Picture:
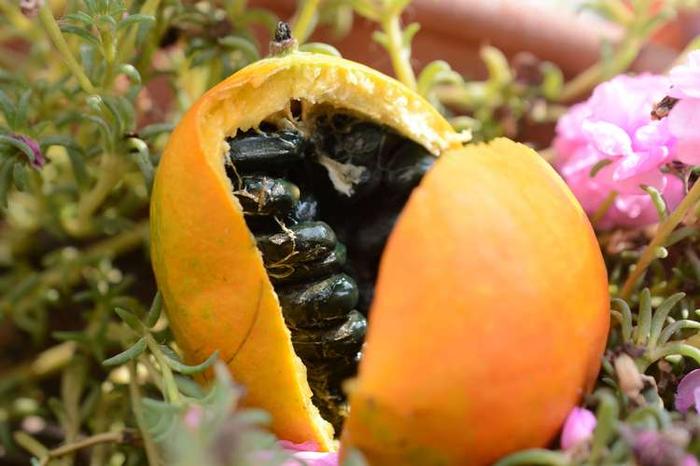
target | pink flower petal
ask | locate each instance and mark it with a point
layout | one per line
(685, 392)
(578, 428)
(608, 138)
(684, 119)
(614, 127)
(308, 453)
(685, 78)
(688, 151)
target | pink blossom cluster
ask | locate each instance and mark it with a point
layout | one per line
(609, 146)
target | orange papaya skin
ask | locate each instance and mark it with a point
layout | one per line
(214, 285)
(489, 319)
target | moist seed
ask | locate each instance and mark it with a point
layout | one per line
(300, 243)
(320, 303)
(263, 195)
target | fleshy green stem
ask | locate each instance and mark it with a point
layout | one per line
(56, 36)
(535, 457)
(603, 208)
(590, 77)
(152, 454)
(665, 229)
(110, 174)
(400, 55)
(171, 392)
(305, 20)
(63, 450)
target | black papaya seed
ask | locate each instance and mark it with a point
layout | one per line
(299, 243)
(305, 271)
(319, 303)
(335, 343)
(253, 151)
(406, 167)
(264, 195)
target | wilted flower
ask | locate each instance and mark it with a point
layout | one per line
(610, 146)
(578, 428)
(30, 8)
(652, 448)
(39, 160)
(688, 392)
(684, 118)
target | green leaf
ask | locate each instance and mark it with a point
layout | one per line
(75, 153)
(658, 200)
(22, 146)
(660, 315)
(408, 33)
(552, 81)
(77, 336)
(436, 72)
(23, 108)
(154, 312)
(82, 33)
(117, 117)
(127, 355)
(246, 47)
(380, 38)
(79, 16)
(143, 160)
(20, 176)
(366, 8)
(104, 128)
(130, 319)
(131, 72)
(598, 166)
(155, 129)
(135, 19)
(320, 47)
(8, 109)
(173, 360)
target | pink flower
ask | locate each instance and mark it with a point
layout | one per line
(688, 392)
(307, 453)
(609, 144)
(193, 417)
(578, 428)
(684, 118)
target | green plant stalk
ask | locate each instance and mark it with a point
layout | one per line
(603, 208)
(305, 20)
(127, 45)
(56, 36)
(668, 349)
(535, 457)
(112, 247)
(665, 229)
(109, 53)
(152, 454)
(171, 393)
(400, 55)
(110, 174)
(590, 77)
(69, 448)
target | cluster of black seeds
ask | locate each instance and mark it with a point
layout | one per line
(321, 207)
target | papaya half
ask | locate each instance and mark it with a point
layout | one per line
(271, 208)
